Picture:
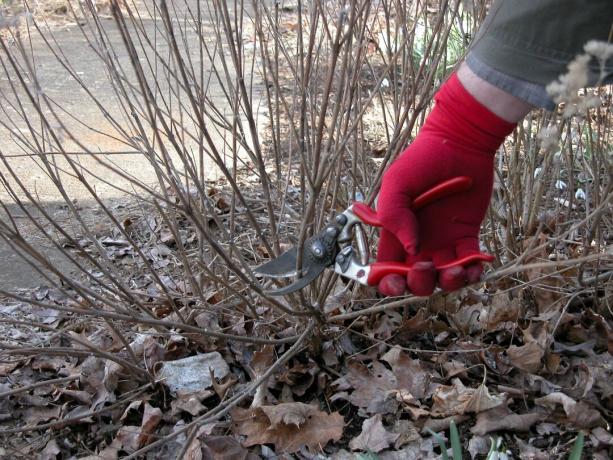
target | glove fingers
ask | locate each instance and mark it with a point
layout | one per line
(421, 279)
(467, 246)
(450, 279)
(474, 272)
(393, 285)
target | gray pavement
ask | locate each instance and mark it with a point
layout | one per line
(88, 123)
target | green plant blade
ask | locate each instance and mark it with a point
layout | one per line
(577, 450)
(454, 438)
(441, 443)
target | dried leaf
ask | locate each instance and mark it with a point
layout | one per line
(580, 414)
(478, 445)
(81, 396)
(262, 359)
(528, 452)
(223, 385)
(7, 368)
(409, 373)
(372, 387)
(288, 426)
(458, 399)
(50, 452)
(407, 433)
(442, 424)
(188, 403)
(416, 325)
(224, 448)
(528, 357)
(374, 437)
(133, 438)
(601, 438)
(99, 377)
(501, 418)
(36, 415)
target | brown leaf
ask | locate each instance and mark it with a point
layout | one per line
(224, 448)
(416, 325)
(441, 424)
(478, 445)
(386, 325)
(133, 438)
(372, 387)
(36, 415)
(128, 436)
(151, 418)
(409, 372)
(528, 357)
(580, 414)
(221, 386)
(374, 437)
(502, 310)
(50, 451)
(407, 433)
(262, 359)
(528, 452)
(501, 418)
(189, 403)
(99, 377)
(78, 395)
(458, 399)
(7, 368)
(108, 453)
(288, 426)
(601, 438)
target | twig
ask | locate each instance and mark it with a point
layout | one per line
(38, 384)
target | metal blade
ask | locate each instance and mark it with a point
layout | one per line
(281, 267)
(313, 272)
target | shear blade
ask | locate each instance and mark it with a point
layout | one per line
(313, 271)
(281, 267)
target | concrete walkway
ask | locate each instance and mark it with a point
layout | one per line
(88, 123)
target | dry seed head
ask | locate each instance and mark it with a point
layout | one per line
(566, 88)
(549, 137)
(600, 50)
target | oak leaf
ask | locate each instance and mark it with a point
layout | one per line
(372, 387)
(408, 372)
(458, 399)
(580, 414)
(502, 418)
(288, 426)
(528, 357)
(374, 437)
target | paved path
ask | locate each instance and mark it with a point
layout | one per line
(64, 90)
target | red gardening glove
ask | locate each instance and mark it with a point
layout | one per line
(459, 138)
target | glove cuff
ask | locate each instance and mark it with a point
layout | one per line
(460, 118)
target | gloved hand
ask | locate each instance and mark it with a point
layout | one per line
(459, 138)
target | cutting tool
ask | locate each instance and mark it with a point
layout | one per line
(333, 247)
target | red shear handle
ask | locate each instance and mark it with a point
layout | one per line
(380, 269)
(468, 260)
(455, 185)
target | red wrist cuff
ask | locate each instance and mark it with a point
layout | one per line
(463, 119)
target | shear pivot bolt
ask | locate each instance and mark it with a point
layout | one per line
(318, 249)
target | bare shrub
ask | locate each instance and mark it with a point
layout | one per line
(259, 122)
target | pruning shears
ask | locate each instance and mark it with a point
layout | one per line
(332, 247)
